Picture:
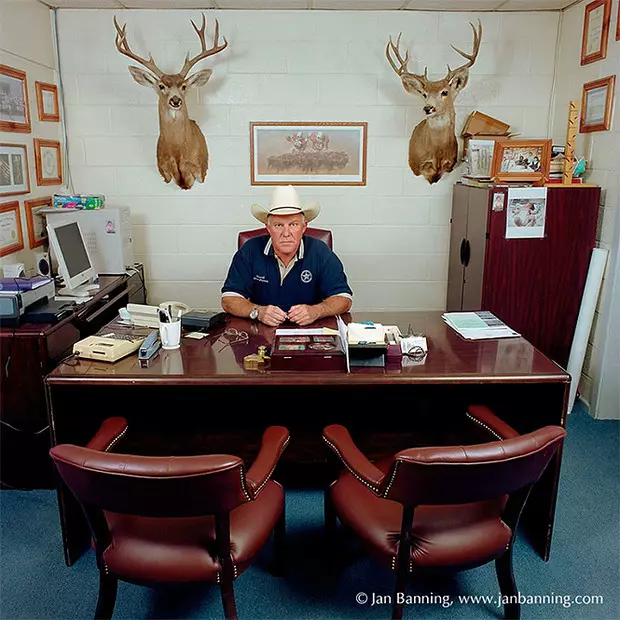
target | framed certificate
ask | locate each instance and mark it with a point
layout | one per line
(47, 101)
(11, 238)
(597, 102)
(595, 31)
(48, 163)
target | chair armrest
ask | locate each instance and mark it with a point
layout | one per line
(275, 439)
(109, 433)
(337, 437)
(485, 418)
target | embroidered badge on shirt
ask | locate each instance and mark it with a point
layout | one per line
(262, 279)
(306, 276)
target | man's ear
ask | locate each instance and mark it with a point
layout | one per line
(413, 85)
(199, 78)
(459, 79)
(143, 77)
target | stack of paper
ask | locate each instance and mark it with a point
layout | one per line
(478, 325)
(366, 334)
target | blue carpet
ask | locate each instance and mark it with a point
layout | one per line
(35, 583)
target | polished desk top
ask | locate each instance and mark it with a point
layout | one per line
(450, 359)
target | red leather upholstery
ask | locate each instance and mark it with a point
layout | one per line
(452, 507)
(173, 519)
(319, 233)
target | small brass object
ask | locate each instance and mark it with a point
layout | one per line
(256, 361)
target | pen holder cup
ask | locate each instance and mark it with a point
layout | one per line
(170, 335)
(177, 308)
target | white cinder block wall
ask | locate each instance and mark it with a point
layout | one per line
(392, 234)
(602, 151)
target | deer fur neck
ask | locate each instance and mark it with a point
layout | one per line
(172, 123)
(445, 122)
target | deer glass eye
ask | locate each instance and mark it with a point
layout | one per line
(161, 87)
(184, 86)
(424, 95)
(444, 93)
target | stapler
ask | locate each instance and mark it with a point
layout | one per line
(149, 348)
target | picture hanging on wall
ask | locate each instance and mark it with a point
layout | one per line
(47, 102)
(14, 177)
(14, 111)
(35, 221)
(11, 237)
(595, 31)
(597, 101)
(48, 162)
(618, 24)
(308, 153)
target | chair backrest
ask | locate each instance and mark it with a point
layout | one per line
(462, 474)
(319, 233)
(185, 486)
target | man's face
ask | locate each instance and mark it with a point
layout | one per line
(286, 232)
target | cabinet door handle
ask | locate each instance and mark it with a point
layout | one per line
(467, 253)
(462, 251)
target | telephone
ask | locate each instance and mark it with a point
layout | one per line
(106, 348)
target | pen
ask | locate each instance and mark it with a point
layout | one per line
(163, 316)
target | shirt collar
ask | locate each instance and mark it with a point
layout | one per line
(269, 249)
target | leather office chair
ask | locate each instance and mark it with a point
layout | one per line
(450, 508)
(174, 519)
(319, 233)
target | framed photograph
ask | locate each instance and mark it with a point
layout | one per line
(11, 238)
(480, 158)
(308, 153)
(618, 24)
(595, 31)
(597, 102)
(47, 101)
(14, 110)
(48, 162)
(14, 177)
(35, 221)
(521, 160)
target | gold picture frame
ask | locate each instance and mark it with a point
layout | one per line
(304, 153)
(14, 108)
(37, 234)
(47, 102)
(597, 102)
(11, 236)
(48, 162)
(521, 160)
(595, 31)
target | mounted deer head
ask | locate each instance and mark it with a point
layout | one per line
(433, 147)
(181, 149)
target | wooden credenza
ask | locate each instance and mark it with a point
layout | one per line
(533, 285)
(28, 353)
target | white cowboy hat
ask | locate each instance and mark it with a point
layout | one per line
(285, 201)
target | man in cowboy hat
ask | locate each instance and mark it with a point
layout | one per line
(286, 276)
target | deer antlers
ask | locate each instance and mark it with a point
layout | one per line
(471, 58)
(205, 53)
(393, 48)
(123, 47)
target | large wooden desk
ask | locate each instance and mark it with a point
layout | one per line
(200, 398)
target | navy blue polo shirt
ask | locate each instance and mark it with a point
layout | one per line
(255, 274)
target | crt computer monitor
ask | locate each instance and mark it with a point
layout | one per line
(74, 263)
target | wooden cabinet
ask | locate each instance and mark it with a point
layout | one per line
(533, 285)
(27, 354)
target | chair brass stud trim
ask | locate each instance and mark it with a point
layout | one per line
(389, 486)
(116, 439)
(243, 486)
(259, 489)
(355, 475)
(488, 428)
